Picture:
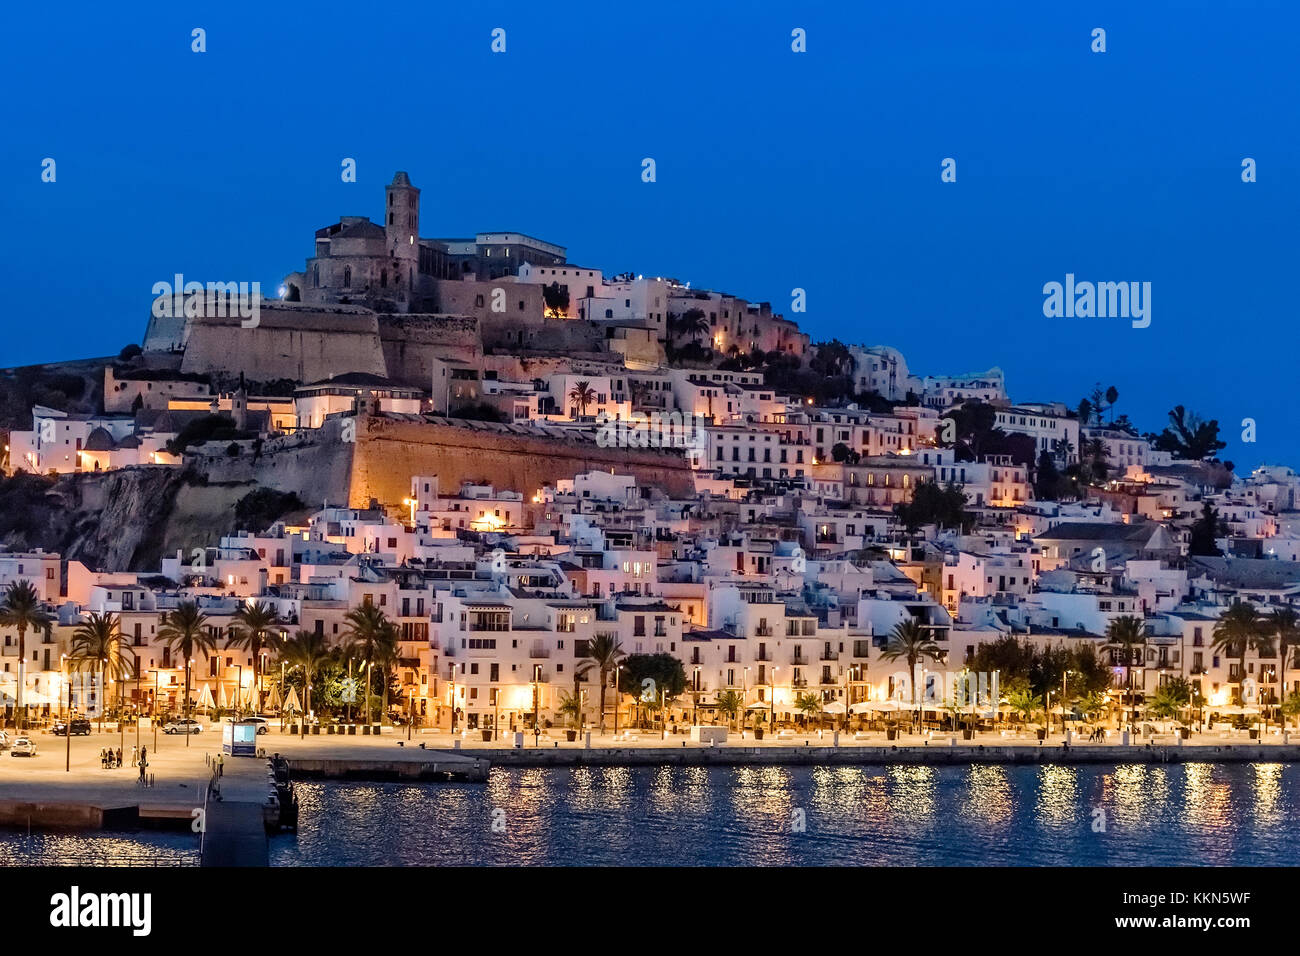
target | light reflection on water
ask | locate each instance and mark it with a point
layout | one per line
(884, 815)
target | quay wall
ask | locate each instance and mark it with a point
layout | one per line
(731, 756)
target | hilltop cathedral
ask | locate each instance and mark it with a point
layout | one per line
(389, 268)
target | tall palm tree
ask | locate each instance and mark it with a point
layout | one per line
(97, 647)
(310, 651)
(582, 395)
(1128, 633)
(1284, 624)
(605, 652)
(185, 632)
(911, 640)
(368, 633)
(21, 609)
(1240, 629)
(256, 627)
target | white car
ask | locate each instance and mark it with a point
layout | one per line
(23, 747)
(182, 726)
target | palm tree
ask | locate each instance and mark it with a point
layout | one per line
(1025, 703)
(1128, 633)
(582, 395)
(97, 646)
(808, 704)
(731, 704)
(369, 633)
(1240, 629)
(911, 639)
(255, 628)
(1284, 624)
(185, 632)
(694, 324)
(605, 653)
(570, 706)
(310, 651)
(21, 609)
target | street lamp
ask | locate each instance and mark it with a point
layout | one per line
(67, 724)
(537, 677)
(617, 669)
(773, 700)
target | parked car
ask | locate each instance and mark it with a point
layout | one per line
(182, 726)
(262, 726)
(23, 747)
(80, 727)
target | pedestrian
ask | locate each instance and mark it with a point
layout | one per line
(135, 754)
(103, 759)
(118, 758)
(221, 765)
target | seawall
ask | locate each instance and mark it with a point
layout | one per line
(936, 754)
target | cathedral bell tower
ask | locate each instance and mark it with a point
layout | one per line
(402, 229)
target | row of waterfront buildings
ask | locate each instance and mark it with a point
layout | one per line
(498, 595)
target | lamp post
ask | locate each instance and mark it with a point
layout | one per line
(135, 661)
(67, 724)
(773, 700)
(239, 688)
(537, 678)
(695, 699)
(617, 669)
(451, 676)
(744, 691)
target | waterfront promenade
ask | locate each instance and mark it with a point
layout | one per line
(40, 792)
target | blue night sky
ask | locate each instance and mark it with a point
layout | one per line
(775, 170)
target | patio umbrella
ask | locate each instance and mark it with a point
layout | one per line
(882, 705)
(291, 701)
(222, 700)
(204, 699)
(834, 707)
(273, 698)
(759, 705)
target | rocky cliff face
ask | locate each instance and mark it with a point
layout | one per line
(111, 520)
